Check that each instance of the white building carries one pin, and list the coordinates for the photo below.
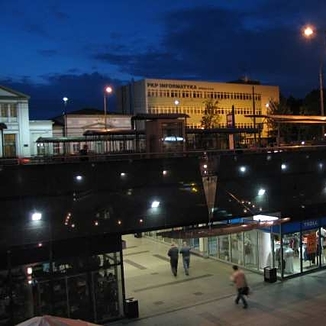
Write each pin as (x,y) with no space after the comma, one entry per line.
(18,133)
(69,130)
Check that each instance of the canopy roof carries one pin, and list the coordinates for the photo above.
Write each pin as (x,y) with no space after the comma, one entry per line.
(289,118)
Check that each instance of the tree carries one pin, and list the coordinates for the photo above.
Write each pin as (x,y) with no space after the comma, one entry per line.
(279,129)
(311,106)
(210,119)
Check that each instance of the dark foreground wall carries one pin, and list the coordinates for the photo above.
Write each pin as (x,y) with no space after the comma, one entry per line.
(115,197)
(290,182)
(89,198)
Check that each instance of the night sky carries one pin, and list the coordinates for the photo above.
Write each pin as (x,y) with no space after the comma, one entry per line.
(56,48)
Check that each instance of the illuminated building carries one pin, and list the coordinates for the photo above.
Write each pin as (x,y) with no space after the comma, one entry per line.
(188,97)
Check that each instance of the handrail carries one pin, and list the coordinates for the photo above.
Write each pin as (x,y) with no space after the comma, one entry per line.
(62,159)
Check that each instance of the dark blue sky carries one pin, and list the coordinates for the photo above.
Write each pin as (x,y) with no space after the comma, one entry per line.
(56,48)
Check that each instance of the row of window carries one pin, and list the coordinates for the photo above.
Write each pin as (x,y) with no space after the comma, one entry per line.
(200,111)
(221,125)
(8,110)
(203,95)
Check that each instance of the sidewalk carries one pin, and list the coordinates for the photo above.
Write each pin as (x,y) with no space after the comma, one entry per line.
(206,297)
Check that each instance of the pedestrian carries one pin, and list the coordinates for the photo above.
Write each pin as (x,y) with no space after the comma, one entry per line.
(185,252)
(173,253)
(240,281)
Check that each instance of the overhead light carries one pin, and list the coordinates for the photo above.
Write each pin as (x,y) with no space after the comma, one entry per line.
(155,204)
(173,138)
(242,169)
(261,192)
(36,216)
(264,218)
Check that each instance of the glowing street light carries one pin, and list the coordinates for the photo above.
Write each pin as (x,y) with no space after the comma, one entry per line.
(309,32)
(36,216)
(65,100)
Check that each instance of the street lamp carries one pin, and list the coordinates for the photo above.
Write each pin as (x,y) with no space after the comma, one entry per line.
(309,32)
(108,90)
(65,125)
(65,100)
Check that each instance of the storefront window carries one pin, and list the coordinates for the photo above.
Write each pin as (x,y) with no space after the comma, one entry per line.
(309,253)
(212,246)
(290,254)
(88,288)
(250,249)
(322,240)
(15,295)
(224,252)
(265,250)
(237,248)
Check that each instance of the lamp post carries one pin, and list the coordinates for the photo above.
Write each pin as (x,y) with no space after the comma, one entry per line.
(65,100)
(308,32)
(65,127)
(108,90)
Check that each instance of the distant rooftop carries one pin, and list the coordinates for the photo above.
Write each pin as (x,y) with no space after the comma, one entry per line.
(245,80)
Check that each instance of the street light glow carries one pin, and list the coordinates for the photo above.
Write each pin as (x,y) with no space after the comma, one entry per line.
(108,90)
(155,204)
(36,216)
(308,31)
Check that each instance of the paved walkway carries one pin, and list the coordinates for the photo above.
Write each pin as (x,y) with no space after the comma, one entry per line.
(206,297)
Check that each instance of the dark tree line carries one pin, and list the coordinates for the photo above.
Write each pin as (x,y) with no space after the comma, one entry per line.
(310,105)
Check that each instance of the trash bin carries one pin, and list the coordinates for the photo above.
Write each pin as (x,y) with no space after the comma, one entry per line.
(131,308)
(270,274)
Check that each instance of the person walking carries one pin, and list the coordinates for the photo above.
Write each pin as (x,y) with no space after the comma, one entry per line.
(185,252)
(173,253)
(240,281)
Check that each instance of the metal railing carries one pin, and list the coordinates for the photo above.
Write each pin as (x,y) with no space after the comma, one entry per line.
(117,156)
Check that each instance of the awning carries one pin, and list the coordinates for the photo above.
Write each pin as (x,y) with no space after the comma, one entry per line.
(222,229)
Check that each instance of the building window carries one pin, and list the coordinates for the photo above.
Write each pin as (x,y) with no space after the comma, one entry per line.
(13,110)
(76,147)
(9,145)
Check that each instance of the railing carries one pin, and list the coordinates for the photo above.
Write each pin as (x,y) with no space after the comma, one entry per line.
(200,154)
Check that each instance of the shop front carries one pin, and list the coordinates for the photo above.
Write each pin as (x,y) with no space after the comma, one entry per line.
(290,248)
(79,279)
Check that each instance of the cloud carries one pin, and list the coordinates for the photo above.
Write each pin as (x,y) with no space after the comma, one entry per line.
(83,91)
(221,44)
(208,42)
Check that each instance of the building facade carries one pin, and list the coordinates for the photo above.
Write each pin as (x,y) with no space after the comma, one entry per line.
(18,133)
(188,97)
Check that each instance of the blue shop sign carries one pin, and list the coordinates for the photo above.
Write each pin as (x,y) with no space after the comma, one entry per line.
(291,227)
(310,224)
